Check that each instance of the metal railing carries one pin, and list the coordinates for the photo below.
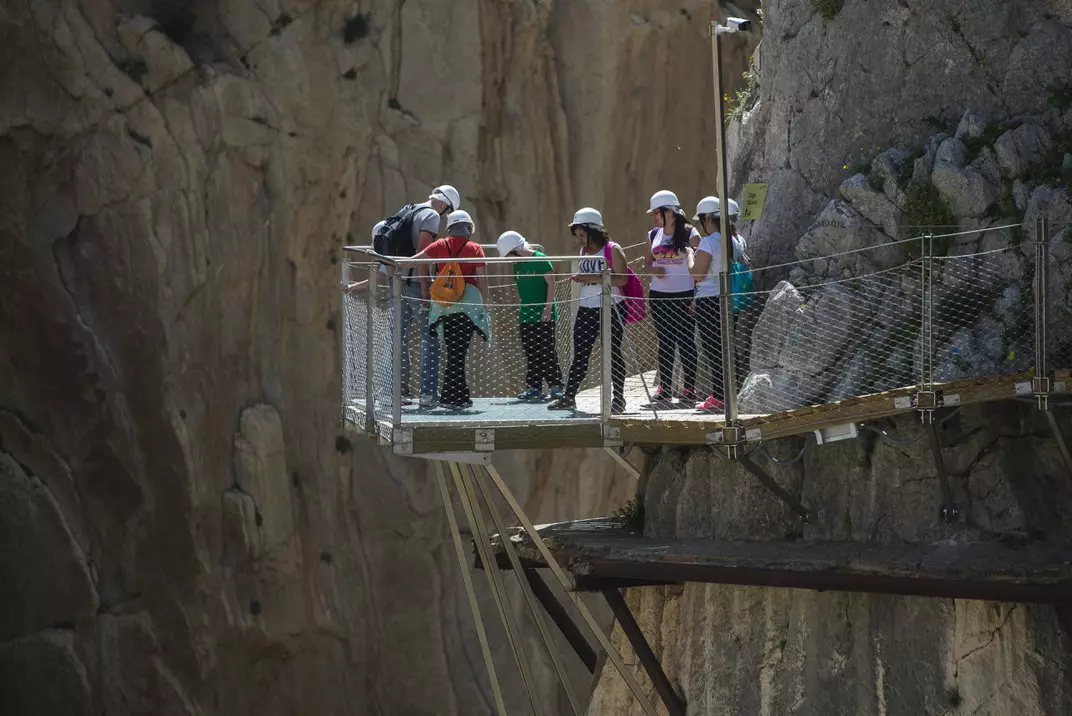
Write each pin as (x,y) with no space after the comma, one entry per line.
(829,326)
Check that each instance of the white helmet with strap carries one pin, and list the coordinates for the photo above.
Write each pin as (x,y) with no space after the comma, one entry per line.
(664,198)
(587,217)
(448,194)
(711,205)
(460,217)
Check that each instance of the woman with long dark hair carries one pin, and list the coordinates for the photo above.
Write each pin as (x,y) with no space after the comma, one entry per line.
(670,294)
(596,244)
(705,271)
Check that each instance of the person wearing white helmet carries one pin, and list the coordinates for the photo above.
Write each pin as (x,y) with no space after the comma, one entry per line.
(705,271)
(535,283)
(411,229)
(596,248)
(456,321)
(671,292)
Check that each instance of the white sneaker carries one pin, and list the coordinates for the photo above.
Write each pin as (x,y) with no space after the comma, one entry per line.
(429,401)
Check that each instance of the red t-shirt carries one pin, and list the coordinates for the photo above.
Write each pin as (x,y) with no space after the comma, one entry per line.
(452,247)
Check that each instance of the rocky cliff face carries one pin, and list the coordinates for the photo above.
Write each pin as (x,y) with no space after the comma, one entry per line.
(184,529)
(918,115)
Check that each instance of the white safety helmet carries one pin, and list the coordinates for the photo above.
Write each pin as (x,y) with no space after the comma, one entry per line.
(662,198)
(711,205)
(510,241)
(460,217)
(448,194)
(376,229)
(587,217)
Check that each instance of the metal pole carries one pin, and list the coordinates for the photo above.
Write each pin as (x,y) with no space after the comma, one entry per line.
(471,505)
(396,352)
(370,348)
(567,584)
(530,600)
(348,387)
(470,592)
(647,657)
(729,371)
(1042,298)
(606,392)
(562,620)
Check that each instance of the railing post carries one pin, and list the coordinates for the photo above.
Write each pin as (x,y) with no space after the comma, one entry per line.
(348,386)
(925,399)
(396,351)
(370,347)
(729,357)
(1040,383)
(606,390)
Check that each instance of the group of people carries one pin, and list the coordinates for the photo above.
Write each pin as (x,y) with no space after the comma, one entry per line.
(447,296)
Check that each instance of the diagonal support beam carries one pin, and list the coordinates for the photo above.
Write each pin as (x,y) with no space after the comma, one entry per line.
(1062,442)
(647,657)
(530,599)
(470,592)
(567,584)
(777,490)
(498,589)
(562,620)
(948,511)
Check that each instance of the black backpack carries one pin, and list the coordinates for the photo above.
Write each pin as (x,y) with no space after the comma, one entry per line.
(395,237)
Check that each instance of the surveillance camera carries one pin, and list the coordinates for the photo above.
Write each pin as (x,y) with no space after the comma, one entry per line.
(739,24)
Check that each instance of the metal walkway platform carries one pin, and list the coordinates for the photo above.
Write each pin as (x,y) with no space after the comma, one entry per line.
(507,424)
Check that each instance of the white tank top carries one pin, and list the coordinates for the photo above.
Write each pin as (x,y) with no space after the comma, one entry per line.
(676,263)
(590,293)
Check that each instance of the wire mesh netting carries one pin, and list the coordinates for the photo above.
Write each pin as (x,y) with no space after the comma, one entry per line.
(1059,297)
(817,330)
(498,360)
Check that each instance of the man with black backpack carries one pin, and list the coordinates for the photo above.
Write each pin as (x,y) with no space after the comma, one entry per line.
(411,230)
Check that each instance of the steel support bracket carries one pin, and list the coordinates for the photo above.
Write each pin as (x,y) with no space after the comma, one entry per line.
(612,436)
(402,441)
(484,440)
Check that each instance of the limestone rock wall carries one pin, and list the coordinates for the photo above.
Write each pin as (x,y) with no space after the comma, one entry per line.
(834,92)
(184,530)
(776,651)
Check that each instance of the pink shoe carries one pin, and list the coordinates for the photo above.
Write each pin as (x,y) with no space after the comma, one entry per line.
(711,405)
(661,396)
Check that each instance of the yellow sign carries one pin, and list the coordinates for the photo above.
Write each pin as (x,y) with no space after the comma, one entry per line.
(754,196)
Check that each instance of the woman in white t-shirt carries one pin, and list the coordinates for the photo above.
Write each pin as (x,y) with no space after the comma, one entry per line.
(596,248)
(670,294)
(705,271)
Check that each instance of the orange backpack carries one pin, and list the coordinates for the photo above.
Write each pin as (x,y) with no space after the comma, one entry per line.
(449,284)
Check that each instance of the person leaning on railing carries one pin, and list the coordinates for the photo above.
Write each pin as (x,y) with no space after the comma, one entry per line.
(456,321)
(535,283)
(705,269)
(595,242)
(359,288)
(669,258)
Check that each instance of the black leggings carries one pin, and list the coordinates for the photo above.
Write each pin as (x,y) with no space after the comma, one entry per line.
(585,333)
(541,357)
(676,330)
(709,316)
(458,332)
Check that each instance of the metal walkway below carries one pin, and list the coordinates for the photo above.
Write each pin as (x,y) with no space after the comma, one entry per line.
(602,554)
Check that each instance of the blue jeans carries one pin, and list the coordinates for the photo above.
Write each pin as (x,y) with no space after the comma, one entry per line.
(415,316)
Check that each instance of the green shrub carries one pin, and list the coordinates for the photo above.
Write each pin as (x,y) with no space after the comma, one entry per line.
(745,98)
